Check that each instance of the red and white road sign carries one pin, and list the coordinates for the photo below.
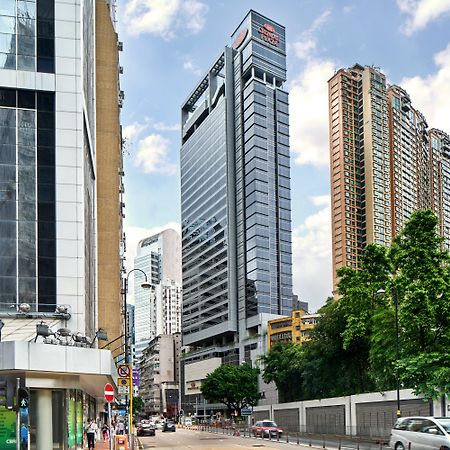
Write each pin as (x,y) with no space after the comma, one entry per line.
(109,392)
(123,370)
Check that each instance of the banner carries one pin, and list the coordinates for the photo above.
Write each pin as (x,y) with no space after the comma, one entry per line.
(7,429)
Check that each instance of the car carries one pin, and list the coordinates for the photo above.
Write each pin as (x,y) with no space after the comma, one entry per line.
(266,428)
(188,422)
(169,426)
(146,429)
(421,433)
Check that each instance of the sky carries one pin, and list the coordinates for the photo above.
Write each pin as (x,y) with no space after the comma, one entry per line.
(169,45)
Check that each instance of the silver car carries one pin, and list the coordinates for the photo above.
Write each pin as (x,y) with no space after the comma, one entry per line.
(421,433)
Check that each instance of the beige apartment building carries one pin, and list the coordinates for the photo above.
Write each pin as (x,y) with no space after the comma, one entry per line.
(110,238)
(384,163)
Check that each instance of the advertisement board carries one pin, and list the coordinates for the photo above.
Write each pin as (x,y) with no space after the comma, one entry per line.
(7,429)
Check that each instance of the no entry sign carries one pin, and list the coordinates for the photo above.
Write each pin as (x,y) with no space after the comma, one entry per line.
(109,393)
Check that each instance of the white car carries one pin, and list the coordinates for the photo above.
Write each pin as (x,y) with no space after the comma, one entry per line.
(421,433)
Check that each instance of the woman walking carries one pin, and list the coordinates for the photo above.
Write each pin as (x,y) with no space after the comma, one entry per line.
(91,431)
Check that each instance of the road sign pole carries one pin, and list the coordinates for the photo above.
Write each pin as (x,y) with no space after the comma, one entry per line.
(109,426)
(131,401)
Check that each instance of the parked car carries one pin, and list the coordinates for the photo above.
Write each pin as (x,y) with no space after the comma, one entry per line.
(187,422)
(145,429)
(423,433)
(169,426)
(266,428)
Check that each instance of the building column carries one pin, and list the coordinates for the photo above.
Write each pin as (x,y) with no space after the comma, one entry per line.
(44,426)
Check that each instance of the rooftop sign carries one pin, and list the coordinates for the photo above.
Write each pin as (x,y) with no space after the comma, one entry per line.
(267,33)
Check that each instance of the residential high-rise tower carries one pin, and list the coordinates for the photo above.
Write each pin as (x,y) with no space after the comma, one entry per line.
(384,163)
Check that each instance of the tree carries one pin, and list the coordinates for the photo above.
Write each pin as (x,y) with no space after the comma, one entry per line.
(234,386)
(283,365)
(138,404)
(422,285)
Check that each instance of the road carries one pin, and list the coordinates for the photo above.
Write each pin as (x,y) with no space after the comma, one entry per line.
(192,440)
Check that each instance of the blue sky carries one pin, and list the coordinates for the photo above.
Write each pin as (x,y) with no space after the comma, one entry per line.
(168,44)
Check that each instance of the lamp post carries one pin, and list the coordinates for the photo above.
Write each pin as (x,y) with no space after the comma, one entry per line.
(144,285)
(397,344)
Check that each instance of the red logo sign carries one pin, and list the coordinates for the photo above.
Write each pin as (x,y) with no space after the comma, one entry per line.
(268,34)
(240,39)
(109,392)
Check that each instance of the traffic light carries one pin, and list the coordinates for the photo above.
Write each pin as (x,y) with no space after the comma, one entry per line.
(7,389)
(23,397)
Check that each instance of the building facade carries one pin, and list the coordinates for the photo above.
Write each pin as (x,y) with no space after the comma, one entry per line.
(236,200)
(157,310)
(295,329)
(384,163)
(49,163)
(159,375)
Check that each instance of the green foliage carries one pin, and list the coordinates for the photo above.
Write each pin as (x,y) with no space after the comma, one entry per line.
(282,365)
(138,404)
(234,386)
(354,346)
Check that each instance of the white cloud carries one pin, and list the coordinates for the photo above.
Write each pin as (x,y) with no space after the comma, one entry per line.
(431,94)
(307,42)
(320,200)
(132,131)
(152,155)
(309,113)
(309,99)
(133,236)
(192,67)
(164,18)
(311,246)
(422,12)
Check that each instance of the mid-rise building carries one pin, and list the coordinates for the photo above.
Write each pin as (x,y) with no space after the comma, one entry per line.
(159,375)
(235,202)
(295,329)
(384,163)
(52,229)
(157,310)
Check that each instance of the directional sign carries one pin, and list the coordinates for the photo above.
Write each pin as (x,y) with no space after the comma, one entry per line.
(246,411)
(109,393)
(123,381)
(123,390)
(123,371)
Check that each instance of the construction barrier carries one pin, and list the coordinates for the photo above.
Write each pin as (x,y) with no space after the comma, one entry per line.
(122,442)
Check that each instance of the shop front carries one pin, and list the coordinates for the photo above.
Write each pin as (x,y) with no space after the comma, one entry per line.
(55,394)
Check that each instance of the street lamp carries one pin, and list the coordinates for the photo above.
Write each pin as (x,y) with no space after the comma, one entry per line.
(145,285)
(382,292)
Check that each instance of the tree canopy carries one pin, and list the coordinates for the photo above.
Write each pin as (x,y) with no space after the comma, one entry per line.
(234,386)
(354,347)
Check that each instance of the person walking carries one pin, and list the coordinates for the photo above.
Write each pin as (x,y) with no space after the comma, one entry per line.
(91,431)
(120,428)
(105,432)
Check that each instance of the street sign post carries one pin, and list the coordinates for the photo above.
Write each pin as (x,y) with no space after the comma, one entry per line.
(123,370)
(108,392)
(246,411)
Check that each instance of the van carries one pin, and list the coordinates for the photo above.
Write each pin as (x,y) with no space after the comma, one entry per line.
(421,433)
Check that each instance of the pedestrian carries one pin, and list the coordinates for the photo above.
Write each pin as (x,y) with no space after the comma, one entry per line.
(120,428)
(105,432)
(91,431)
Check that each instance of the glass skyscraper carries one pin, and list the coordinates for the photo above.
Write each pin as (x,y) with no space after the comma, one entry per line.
(236,199)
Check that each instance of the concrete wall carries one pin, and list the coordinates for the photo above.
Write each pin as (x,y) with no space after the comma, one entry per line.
(371,414)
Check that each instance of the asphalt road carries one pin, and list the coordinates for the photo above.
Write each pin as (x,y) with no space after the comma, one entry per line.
(192,439)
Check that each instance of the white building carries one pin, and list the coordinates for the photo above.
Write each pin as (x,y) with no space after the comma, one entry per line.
(49,169)
(158,310)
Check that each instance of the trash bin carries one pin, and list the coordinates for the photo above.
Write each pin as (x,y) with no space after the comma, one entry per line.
(122,442)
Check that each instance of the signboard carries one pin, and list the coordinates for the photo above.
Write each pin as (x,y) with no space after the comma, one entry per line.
(123,390)
(123,382)
(71,422)
(135,376)
(123,370)
(7,429)
(109,393)
(246,411)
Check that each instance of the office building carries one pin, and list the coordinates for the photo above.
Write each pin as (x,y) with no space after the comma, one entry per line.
(383,163)
(295,329)
(157,310)
(49,163)
(235,201)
